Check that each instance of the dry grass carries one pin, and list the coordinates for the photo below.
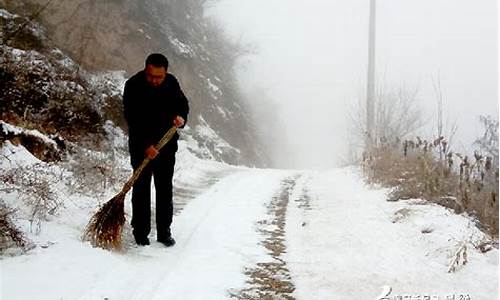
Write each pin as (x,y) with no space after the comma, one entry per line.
(428,170)
(272,279)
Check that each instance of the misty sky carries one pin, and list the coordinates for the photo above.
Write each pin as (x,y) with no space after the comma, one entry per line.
(307,68)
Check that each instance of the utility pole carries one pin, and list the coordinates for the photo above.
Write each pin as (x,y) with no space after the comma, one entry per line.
(370,87)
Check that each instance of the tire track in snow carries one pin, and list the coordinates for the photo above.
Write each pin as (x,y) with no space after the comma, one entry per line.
(216,239)
(271,279)
(239,198)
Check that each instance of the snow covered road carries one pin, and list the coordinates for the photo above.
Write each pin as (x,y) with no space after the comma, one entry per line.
(215,237)
(345,241)
(267,234)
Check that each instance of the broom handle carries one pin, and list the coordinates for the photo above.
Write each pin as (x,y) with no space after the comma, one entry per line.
(164,140)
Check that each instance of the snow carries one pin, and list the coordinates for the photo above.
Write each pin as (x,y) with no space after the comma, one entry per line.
(9,128)
(66,62)
(212,86)
(215,238)
(118,138)
(7,15)
(15,156)
(112,80)
(182,47)
(215,91)
(209,135)
(17,53)
(222,112)
(343,241)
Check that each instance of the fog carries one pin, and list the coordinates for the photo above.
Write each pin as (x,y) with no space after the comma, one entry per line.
(307,67)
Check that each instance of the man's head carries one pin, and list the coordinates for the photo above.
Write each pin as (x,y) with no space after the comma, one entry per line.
(156,69)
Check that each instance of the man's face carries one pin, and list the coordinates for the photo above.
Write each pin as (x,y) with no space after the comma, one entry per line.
(155,75)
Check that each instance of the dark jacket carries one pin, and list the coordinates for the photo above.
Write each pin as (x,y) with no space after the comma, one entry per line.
(150,112)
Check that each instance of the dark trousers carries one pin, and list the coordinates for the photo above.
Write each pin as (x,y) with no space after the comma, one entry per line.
(162,170)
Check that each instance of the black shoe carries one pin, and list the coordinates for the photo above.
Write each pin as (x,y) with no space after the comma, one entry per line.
(142,241)
(169,241)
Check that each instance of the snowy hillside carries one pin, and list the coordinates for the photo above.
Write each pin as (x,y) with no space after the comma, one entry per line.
(241,232)
(255,234)
(74,40)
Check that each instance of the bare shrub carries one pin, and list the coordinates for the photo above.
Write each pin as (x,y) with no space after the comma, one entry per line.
(430,170)
(459,258)
(397,115)
(10,235)
(488,143)
(38,92)
(95,172)
(35,186)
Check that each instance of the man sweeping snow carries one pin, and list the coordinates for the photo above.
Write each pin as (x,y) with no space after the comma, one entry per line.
(153,102)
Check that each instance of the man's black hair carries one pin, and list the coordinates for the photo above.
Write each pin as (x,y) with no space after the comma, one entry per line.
(157,60)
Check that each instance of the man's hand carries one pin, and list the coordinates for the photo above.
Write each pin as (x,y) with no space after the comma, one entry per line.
(179,121)
(151,152)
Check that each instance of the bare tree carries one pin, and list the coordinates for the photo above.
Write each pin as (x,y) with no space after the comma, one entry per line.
(397,114)
(445,147)
(489,141)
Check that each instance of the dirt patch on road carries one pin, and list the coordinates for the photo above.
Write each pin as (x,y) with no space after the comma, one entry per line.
(271,279)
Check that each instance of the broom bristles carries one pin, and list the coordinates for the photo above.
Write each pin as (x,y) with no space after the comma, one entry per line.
(104,229)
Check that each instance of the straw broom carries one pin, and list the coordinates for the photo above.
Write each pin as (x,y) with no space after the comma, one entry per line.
(105,227)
